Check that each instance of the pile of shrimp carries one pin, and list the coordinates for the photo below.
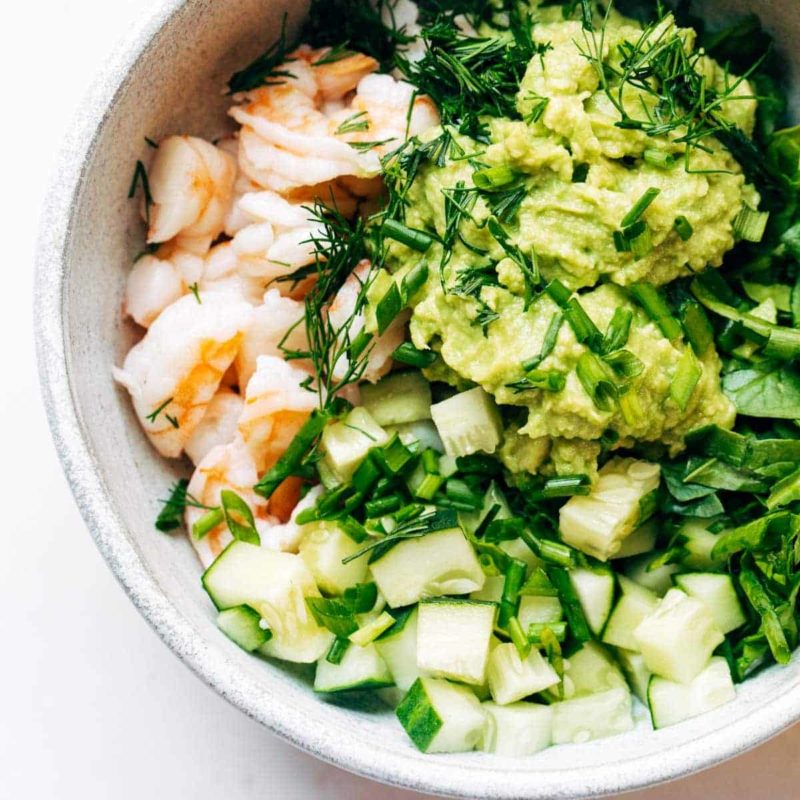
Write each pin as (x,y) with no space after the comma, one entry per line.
(227,221)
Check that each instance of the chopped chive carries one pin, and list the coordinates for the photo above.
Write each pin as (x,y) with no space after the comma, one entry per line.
(573,610)
(518,637)
(548,344)
(408,354)
(430,462)
(629,406)
(597,381)
(657,309)
(642,243)
(383,506)
(394,456)
(683,228)
(207,523)
(696,326)
(548,380)
(750,224)
(684,382)
(389,306)
(558,292)
(290,461)
(460,492)
(639,207)
(564,486)
(493,178)
(509,601)
(411,237)
(413,281)
(536,631)
(624,363)
(337,650)
(428,486)
(658,158)
(621,242)
(618,330)
(356,122)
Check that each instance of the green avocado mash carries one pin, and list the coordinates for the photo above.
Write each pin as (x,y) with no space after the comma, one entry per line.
(556,194)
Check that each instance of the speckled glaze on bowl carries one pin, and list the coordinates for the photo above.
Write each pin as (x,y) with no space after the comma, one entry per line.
(168,79)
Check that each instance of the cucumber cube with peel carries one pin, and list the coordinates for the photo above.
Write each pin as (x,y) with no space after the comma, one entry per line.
(511,677)
(635,670)
(453,639)
(633,605)
(672,702)
(595,716)
(468,422)
(598,523)
(347,442)
(360,668)
(440,563)
(398,399)
(242,625)
(678,637)
(323,548)
(398,648)
(517,730)
(441,717)
(718,593)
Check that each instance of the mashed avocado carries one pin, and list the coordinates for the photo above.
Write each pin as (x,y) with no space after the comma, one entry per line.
(559,184)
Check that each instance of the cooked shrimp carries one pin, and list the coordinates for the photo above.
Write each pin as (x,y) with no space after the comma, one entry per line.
(229,467)
(339,77)
(222,275)
(157,281)
(218,425)
(191,183)
(176,369)
(275,407)
(276,317)
(379,361)
(286,536)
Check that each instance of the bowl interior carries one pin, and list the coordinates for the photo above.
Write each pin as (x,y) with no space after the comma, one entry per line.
(171,81)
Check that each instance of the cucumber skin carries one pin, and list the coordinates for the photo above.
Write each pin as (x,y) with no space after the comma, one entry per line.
(241,625)
(418,716)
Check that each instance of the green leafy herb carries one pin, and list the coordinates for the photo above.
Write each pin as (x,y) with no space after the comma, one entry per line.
(266,70)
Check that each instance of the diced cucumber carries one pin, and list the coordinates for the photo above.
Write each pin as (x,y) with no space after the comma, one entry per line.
(492,589)
(718,593)
(672,702)
(440,563)
(372,629)
(699,541)
(517,730)
(658,580)
(274,584)
(468,422)
(441,717)
(599,522)
(397,399)
(424,432)
(471,520)
(323,548)
(511,678)
(398,648)
(595,590)
(633,605)
(453,638)
(642,540)
(594,716)
(241,624)
(391,695)
(538,609)
(590,670)
(360,668)
(346,443)
(677,637)
(635,671)
(516,548)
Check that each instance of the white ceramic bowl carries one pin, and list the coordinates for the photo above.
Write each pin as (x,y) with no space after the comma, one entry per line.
(168,79)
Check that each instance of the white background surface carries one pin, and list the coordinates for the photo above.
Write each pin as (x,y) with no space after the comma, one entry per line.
(92,705)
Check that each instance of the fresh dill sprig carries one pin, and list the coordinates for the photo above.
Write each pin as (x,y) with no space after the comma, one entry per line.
(266,69)
(153,415)
(339,248)
(676,98)
(470,76)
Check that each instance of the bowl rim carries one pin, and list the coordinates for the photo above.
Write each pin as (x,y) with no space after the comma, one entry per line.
(84,474)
